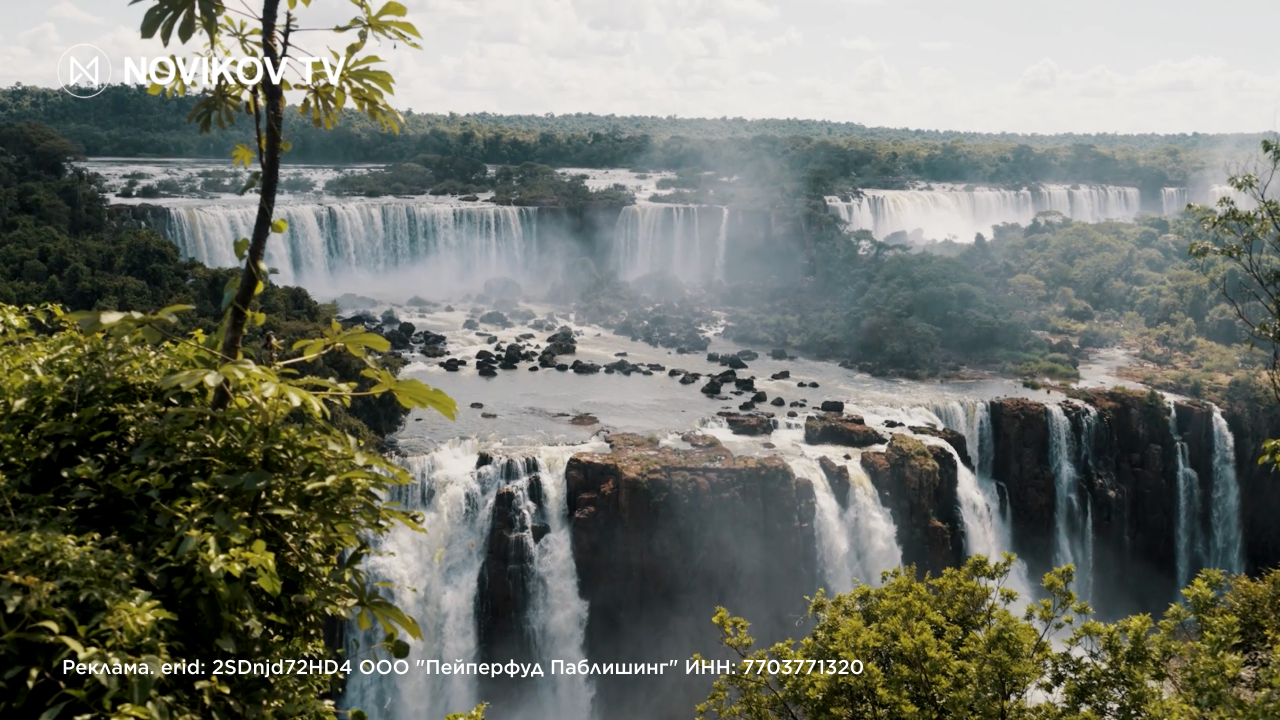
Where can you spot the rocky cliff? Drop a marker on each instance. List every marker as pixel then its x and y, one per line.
pixel 917 483
pixel 662 535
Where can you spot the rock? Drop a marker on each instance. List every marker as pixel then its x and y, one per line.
pixel 470 324
pixel 919 486
pixel 583 419
pixel 674 372
pixel 562 367
pixel 849 431
pixel 585 368
pixel 748 355
pixel 802 384
pixel 893 424
pixel 562 342
pixel 711 388
pixel 759 398
pixel 655 529
pixel 733 362
pixel 747 406
pixel 782 375
pixel 792 413
pixel 713 357
pixel 750 424
pixel 487 371
pixel 745 383
pixel 494 317
pixel 833 406
pixel 487 415
pixel 778 402
pixel 813 384
pixel 502 288
pixel 485 355
pixel 778 353
pixel 838 477
pixel 477 406
pixel 953 438
pixel 448 308
pixel 690 378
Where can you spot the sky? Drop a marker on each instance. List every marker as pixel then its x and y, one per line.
pixel 1088 66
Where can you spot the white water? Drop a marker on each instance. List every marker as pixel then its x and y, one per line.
pixel 722 240
pixel 666 238
pixel 1226 545
pixel 987 527
pixel 1073 521
pixel 1173 200
pixel 857 542
pixel 1188 543
pixel 964 213
pixel 435 576
pixel 427 245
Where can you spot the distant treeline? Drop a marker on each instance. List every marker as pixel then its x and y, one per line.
pixel 127 122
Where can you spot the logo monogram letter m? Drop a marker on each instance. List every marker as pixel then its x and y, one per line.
pixel 89 73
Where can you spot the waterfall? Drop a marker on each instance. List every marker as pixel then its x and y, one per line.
pixel 437 578
pixel 1226 548
pixel 666 238
pixel 854 542
pixel 722 239
pixel 963 213
pixel 1188 544
pixel 1073 521
pixel 1173 200
pixel 428 243
pixel 987 524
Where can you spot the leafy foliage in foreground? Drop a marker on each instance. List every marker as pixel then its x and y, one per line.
pixel 138 526
pixel 953 647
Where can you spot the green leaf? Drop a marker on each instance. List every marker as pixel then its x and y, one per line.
pixel 414 393
pixel 243 155
pixel 269 581
pixel 242 249
pixel 399 649
pixel 52 712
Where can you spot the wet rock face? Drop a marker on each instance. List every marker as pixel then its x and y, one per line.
pixel 952 438
pixel 838 477
pixel 1020 429
pixel 918 483
pixel 748 423
pixel 847 430
pixel 662 535
pixel 506 576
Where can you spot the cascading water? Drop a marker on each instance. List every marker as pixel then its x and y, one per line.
pixel 432 244
pixel 858 541
pixel 987 528
pixel 667 238
pixel 722 241
pixel 1188 542
pixel 1226 546
pixel 436 579
pixel 1073 521
pixel 1173 200
pixel 963 213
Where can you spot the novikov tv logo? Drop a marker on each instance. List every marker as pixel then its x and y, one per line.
pixel 84 70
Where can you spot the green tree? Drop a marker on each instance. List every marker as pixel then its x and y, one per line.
pixel 952 647
pixel 1248 239
pixel 325 88
pixel 139 526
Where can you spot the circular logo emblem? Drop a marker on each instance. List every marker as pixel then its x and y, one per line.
pixel 84 71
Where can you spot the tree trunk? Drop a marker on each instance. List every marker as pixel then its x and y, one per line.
pixel 269 159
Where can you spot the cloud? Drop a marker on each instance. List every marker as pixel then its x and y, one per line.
pixel 1041 76
pixel 940 46
pixel 68 12
pixel 875 75
pixel 862 44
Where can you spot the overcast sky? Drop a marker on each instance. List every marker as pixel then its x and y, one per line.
pixel 985 65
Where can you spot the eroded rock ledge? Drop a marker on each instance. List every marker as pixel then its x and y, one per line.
pixel 663 535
